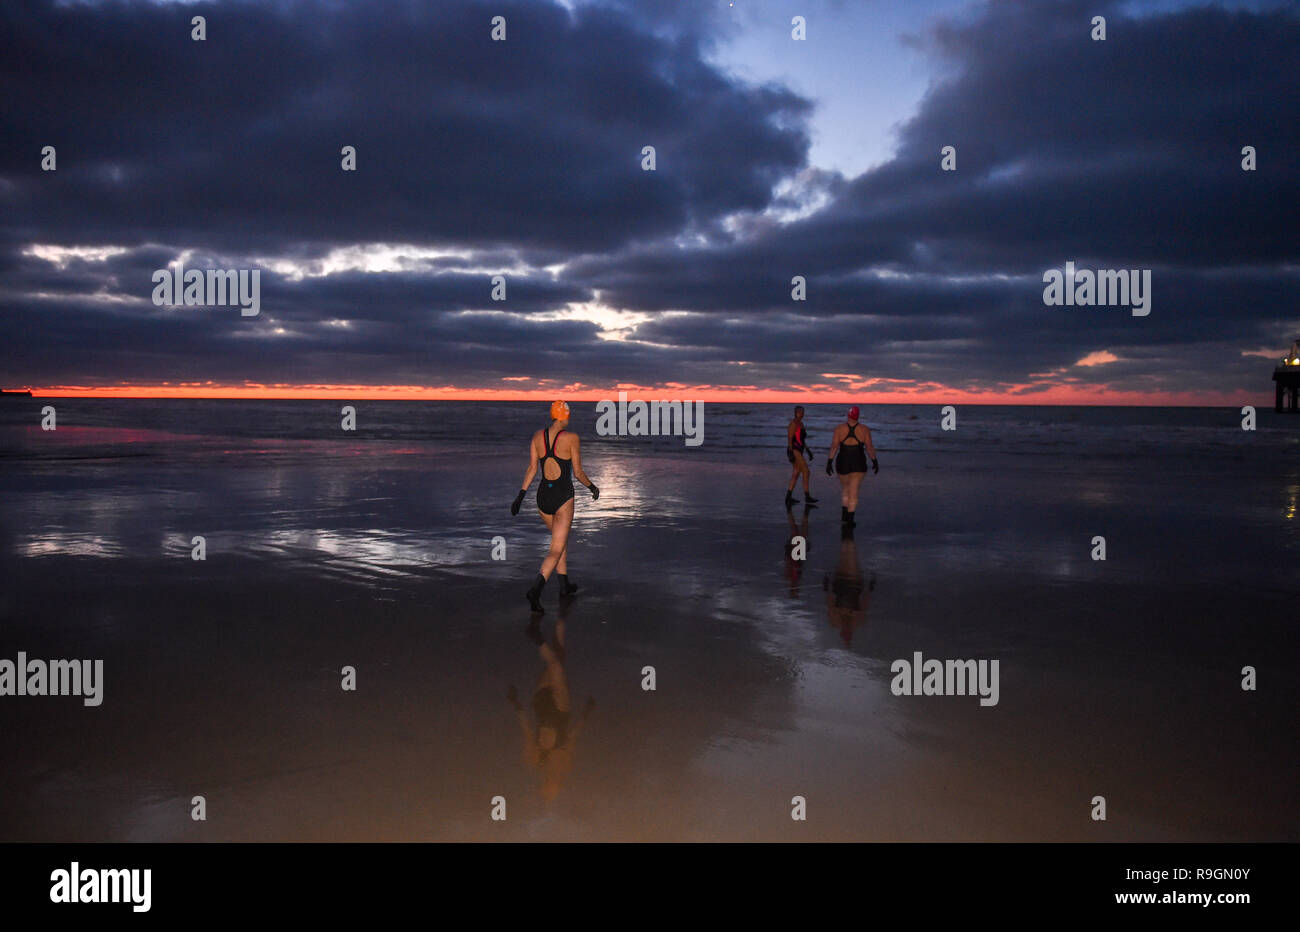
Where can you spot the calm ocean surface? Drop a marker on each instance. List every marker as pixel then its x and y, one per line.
pixel 394 427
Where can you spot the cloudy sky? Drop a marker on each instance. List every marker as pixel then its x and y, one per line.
pixel 775 158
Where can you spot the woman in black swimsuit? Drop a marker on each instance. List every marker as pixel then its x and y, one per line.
pixel 853 443
pixel 797 452
pixel 559 452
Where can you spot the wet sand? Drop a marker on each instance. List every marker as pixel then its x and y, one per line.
pixel 222 678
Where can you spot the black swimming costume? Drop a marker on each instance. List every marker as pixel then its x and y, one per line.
pixel 851 458
pixel 553 493
pixel 796 443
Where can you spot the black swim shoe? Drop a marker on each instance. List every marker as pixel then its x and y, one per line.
pixel 534 595
pixel 808 499
pixel 790 499
pixel 566 587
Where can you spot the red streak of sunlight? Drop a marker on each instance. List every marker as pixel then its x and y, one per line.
pixel 927 394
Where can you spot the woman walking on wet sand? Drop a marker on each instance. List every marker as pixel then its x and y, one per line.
pixel 798 453
pixel 559 451
pixel 850 447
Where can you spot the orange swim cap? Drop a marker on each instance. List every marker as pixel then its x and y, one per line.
pixel 559 411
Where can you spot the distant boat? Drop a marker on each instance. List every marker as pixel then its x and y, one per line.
pixel 20 394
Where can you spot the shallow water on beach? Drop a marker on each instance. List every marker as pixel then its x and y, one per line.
pixel 773 676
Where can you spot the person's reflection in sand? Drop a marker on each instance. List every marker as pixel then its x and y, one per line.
pixel 848 593
pixel 793 567
pixel 549 745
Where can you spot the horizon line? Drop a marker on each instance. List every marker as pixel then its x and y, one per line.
pixel 1025 396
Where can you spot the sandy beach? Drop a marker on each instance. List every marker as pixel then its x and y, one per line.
pixel 773 677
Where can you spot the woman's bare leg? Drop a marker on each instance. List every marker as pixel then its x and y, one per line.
pixel 559 523
pixel 562 567
pixel 855 480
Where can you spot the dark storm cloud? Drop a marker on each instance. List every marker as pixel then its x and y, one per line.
pixel 235 142
pixel 1123 151
pixel 1117 154
pixel 354 295
pixel 1002 336
pixel 198 344
pixel 524 151
pixel 349 328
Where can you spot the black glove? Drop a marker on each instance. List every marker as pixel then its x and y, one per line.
pixel 875 467
pixel 830 466
pixel 595 491
pixel 519 500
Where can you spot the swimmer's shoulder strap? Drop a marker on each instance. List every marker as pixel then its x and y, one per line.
pixel 550 443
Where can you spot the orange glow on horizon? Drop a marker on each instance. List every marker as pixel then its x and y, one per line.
pixel 819 394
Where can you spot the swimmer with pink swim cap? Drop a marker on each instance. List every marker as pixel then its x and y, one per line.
pixel 850 447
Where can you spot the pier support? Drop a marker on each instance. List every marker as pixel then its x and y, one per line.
pixel 1287 398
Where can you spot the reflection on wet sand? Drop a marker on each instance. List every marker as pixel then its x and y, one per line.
pixel 848 591
pixel 551 737
pixel 795 557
